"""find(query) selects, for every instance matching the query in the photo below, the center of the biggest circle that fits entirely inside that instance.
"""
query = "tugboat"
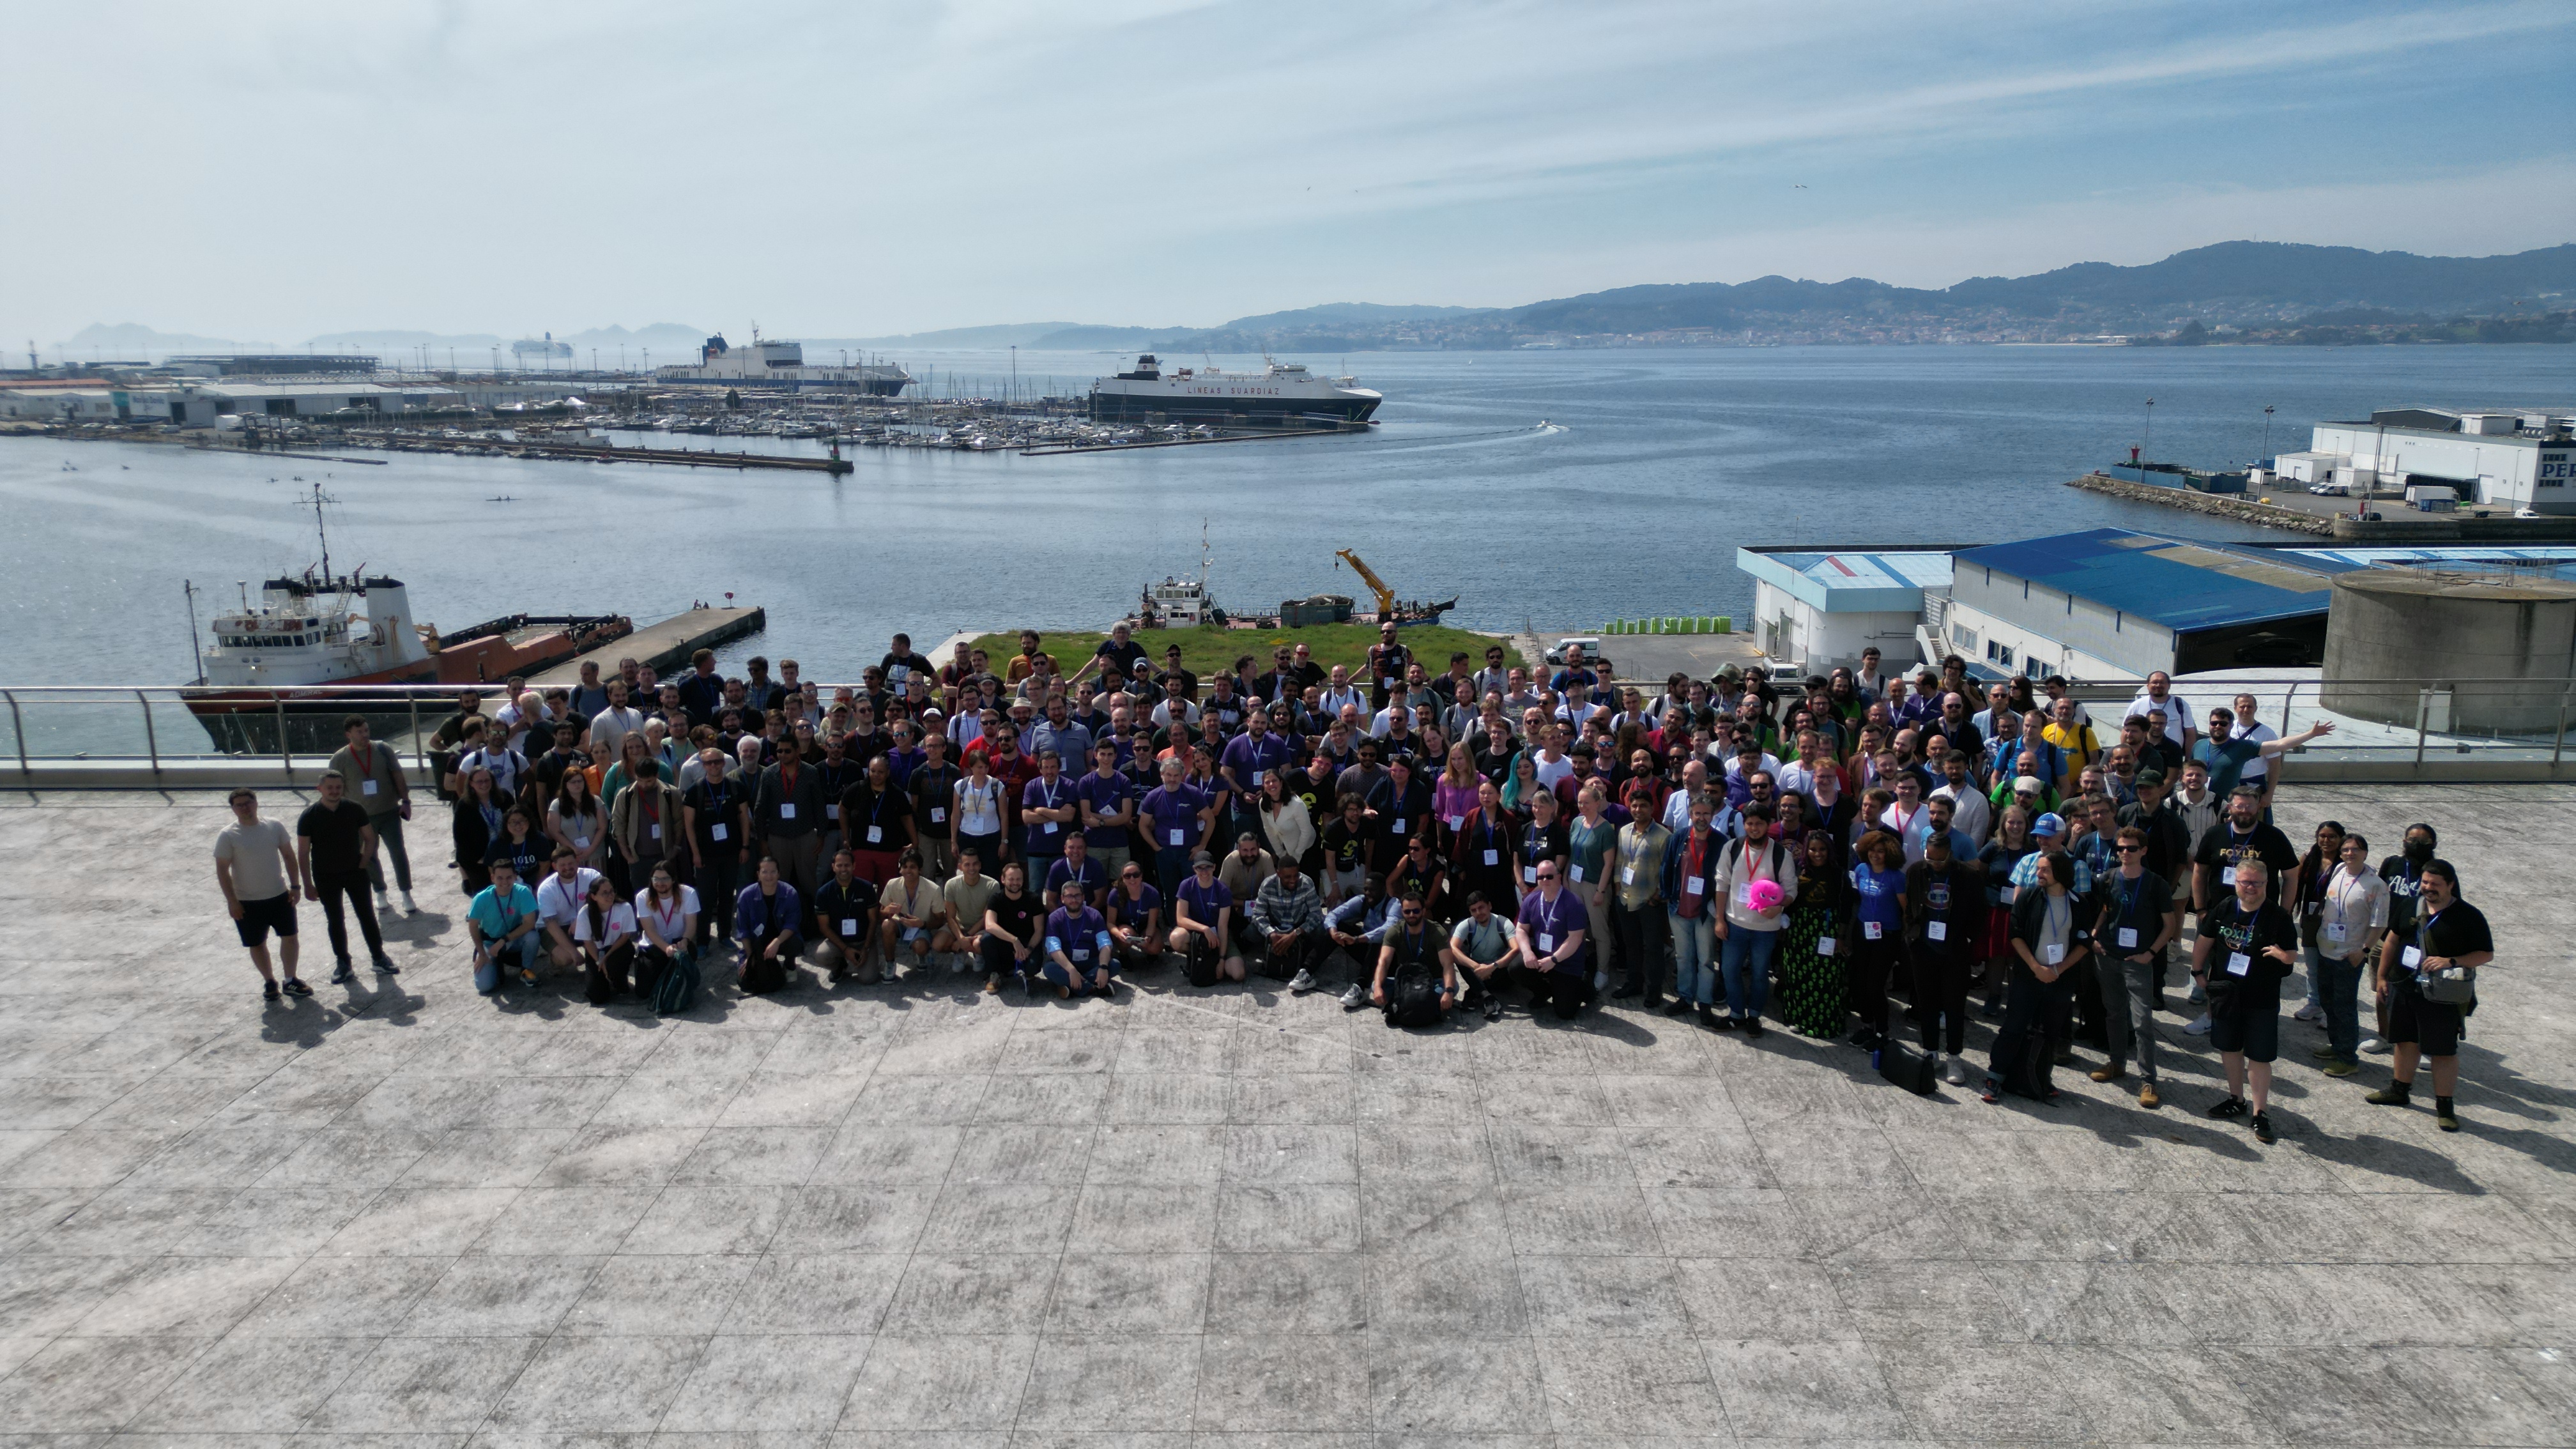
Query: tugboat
(356, 629)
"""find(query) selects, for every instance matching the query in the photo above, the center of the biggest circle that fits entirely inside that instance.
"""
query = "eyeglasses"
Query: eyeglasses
(2128, 849)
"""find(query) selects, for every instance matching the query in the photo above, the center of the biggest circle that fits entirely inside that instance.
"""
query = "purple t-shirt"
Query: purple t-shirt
(1108, 797)
(1131, 913)
(1205, 900)
(1175, 808)
(1549, 926)
(1046, 837)
(1251, 759)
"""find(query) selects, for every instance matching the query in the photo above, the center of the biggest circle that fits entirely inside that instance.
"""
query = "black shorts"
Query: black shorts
(2433, 1027)
(2254, 1029)
(258, 918)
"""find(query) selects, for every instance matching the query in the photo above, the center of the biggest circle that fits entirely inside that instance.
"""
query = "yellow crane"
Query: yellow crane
(1377, 586)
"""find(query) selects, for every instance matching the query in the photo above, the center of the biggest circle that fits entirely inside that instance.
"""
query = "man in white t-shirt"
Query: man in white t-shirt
(559, 898)
(614, 723)
(2258, 770)
(255, 868)
(2178, 711)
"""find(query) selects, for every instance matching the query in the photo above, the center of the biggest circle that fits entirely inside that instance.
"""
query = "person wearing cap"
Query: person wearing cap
(1203, 916)
(2048, 832)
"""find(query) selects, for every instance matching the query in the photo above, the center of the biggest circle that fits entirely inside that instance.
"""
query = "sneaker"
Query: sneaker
(2232, 1107)
(2340, 1068)
(1493, 1008)
(2199, 994)
(1991, 1010)
(2325, 1051)
(1600, 980)
(2111, 1073)
(1993, 1093)
(2308, 1012)
(294, 986)
(410, 907)
(2446, 1119)
(1626, 993)
(1676, 1007)
(1301, 983)
(2395, 1094)
(2374, 1047)
(1354, 998)
(992, 986)
(382, 904)
(268, 991)
(2147, 1097)
(385, 966)
(342, 974)
(2198, 1026)
(1956, 1074)
(1753, 1028)
(2262, 1126)
(1722, 1023)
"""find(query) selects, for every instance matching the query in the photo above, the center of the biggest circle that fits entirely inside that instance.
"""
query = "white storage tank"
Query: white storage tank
(2419, 629)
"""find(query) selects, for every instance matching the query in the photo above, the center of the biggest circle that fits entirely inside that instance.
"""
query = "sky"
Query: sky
(282, 170)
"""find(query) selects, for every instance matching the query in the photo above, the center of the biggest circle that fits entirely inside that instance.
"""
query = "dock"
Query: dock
(663, 648)
(2296, 512)
(609, 453)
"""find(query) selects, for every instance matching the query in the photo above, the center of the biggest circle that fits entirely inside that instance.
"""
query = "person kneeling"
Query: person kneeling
(764, 921)
(1287, 921)
(503, 923)
(1415, 984)
(1483, 953)
(1555, 938)
(1077, 947)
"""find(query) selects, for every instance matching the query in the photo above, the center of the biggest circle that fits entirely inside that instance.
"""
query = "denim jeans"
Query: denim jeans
(2339, 991)
(1694, 960)
(1748, 970)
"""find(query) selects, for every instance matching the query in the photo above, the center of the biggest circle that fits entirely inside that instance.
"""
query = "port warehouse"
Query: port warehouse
(197, 403)
(2499, 457)
(2105, 603)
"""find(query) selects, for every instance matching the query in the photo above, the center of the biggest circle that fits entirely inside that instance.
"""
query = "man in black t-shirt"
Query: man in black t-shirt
(2247, 948)
(900, 663)
(2447, 933)
(2238, 843)
(845, 911)
(333, 842)
(2139, 920)
(565, 755)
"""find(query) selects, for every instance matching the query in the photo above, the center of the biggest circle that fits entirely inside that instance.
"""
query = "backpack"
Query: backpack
(1413, 993)
(1906, 1067)
(1199, 962)
(762, 973)
(677, 991)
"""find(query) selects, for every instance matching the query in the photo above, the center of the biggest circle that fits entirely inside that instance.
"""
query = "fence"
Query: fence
(124, 736)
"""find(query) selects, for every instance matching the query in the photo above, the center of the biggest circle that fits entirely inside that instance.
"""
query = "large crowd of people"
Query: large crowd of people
(1427, 837)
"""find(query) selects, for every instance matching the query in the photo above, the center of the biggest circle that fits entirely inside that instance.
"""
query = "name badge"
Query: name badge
(2411, 956)
(1256, 779)
(1050, 827)
(2332, 931)
(1178, 836)
(849, 926)
(657, 831)
(831, 812)
(786, 811)
(2052, 954)
(1627, 875)
(2128, 938)
(1546, 941)
(1824, 945)
(2238, 963)
(1936, 930)
(2227, 875)
(876, 834)
(1870, 930)
(938, 815)
(581, 842)
(1578, 875)
(1080, 953)
(717, 833)
(366, 787)
(1528, 872)
(1399, 825)
(1696, 885)
(1388, 682)
(2316, 908)
(1493, 857)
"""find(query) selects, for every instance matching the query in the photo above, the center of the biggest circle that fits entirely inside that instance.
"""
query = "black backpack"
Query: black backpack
(1413, 988)
(1200, 960)
(1906, 1067)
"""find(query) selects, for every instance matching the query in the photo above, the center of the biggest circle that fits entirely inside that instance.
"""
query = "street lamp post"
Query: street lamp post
(2144, 434)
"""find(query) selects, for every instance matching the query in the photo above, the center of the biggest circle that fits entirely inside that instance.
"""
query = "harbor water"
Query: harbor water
(1541, 487)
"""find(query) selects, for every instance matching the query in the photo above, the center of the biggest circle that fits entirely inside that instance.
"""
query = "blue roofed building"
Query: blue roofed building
(2114, 603)
(1817, 608)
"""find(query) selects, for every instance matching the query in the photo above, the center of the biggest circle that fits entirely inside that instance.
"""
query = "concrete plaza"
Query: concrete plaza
(917, 1218)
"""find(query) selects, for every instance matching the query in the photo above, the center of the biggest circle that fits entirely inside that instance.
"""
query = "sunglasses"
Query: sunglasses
(2131, 849)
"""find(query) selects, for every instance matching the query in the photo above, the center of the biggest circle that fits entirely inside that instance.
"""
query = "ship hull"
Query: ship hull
(1127, 407)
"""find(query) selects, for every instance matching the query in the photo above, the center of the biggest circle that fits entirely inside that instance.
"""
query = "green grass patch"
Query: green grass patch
(1206, 651)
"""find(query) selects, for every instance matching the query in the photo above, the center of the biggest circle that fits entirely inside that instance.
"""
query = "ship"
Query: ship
(769, 364)
(356, 631)
(1281, 393)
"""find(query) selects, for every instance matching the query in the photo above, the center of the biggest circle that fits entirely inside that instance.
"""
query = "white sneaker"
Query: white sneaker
(1355, 998)
(1958, 1073)
(1303, 982)
(2308, 1012)
(1600, 980)
(410, 907)
(2375, 1047)
(381, 902)
(2198, 1028)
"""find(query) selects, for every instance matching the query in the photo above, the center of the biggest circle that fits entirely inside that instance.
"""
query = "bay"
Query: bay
(1652, 467)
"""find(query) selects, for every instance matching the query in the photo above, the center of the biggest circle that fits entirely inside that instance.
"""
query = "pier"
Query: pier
(663, 648)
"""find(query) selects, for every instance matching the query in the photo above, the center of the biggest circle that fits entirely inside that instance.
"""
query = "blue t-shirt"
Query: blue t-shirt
(1173, 811)
(1107, 797)
(1879, 892)
(1081, 935)
(496, 918)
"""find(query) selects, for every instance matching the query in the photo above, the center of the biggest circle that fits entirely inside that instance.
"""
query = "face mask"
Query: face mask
(2419, 851)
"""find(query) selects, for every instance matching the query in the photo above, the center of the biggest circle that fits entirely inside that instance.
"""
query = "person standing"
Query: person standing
(1748, 931)
(1811, 978)
(2449, 934)
(385, 794)
(255, 868)
(1877, 933)
(2404, 873)
(719, 826)
(2239, 845)
(333, 843)
(2139, 921)
(2049, 941)
(2350, 917)
(787, 823)
(1695, 894)
(1945, 897)
(1637, 913)
(2247, 948)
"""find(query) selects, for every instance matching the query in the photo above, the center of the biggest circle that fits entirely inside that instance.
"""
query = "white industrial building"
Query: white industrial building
(2112, 603)
(2501, 458)
(1817, 608)
(196, 404)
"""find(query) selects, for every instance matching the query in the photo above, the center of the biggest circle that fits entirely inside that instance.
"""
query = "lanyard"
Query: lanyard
(2130, 890)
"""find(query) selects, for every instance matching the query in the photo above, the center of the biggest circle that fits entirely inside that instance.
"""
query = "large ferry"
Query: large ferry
(1282, 392)
(781, 364)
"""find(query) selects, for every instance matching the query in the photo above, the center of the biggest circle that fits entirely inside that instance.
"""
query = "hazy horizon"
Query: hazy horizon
(851, 173)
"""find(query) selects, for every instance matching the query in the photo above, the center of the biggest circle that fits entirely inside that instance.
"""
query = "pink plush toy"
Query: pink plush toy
(1763, 896)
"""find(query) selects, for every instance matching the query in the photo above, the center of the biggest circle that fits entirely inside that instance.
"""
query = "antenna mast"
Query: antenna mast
(321, 531)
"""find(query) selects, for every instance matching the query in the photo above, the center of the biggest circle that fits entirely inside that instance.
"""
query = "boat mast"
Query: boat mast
(322, 532)
(194, 648)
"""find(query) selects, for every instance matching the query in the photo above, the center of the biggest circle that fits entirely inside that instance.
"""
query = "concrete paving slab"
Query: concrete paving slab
(917, 1218)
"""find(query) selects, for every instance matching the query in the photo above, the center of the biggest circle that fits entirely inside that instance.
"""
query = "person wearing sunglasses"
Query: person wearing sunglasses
(2140, 918)
(1135, 917)
(1414, 955)
(1554, 934)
